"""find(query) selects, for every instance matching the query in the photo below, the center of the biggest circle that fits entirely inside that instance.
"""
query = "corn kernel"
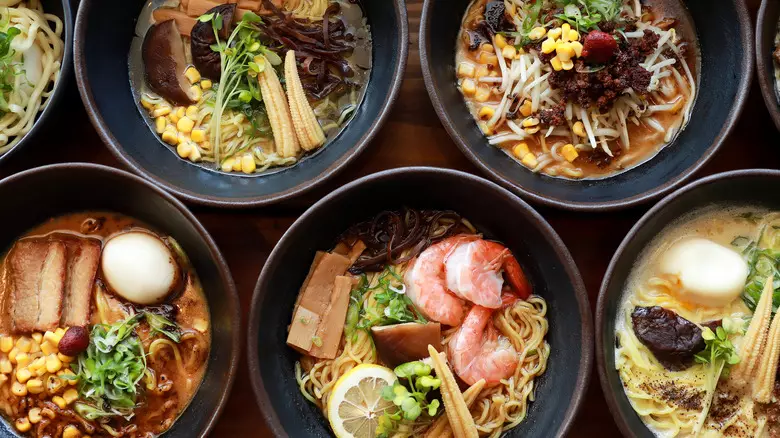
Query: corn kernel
(22, 424)
(170, 136)
(185, 124)
(159, 124)
(53, 363)
(192, 112)
(556, 64)
(554, 33)
(34, 415)
(533, 130)
(579, 129)
(466, 70)
(468, 87)
(70, 395)
(23, 345)
(60, 332)
(564, 51)
(146, 102)
(487, 47)
(577, 47)
(530, 160)
(526, 109)
(567, 65)
(531, 121)
(196, 93)
(521, 150)
(482, 71)
(488, 58)
(482, 94)
(59, 401)
(227, 165)
(537, 33)
(12, 355)
(574, 35)
(486, 113)
(198, 135)
(184, 149)
(23, 375)
(192, 74)
(6, 343)
(248, 164)
(35, 348)
(206, 84)
(487, 130)
(5, 366)
(548, 46)
(71, 432)
(500, 41)
(38, 364)
(22, 359)
(565, 28)
(237, 165)
(174, 115)
(52, 337)
(195, 154)
(19, 389)
(569, 152)
(509, 52)
(37, 337)
(160, 110)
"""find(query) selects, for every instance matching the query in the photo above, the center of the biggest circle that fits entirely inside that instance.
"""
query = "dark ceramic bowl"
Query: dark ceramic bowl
(62, 9)
(744, 187)
(725, 38)
(67, 188)
(104, 31)
(496, 212)
(766, 29)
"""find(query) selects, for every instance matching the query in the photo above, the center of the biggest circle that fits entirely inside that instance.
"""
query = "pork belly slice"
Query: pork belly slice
(38, 268)
(83, 260)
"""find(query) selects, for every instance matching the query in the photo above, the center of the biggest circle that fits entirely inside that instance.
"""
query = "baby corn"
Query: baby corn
(755, 338)
(455, 406)
(308, 130)
(278, 111)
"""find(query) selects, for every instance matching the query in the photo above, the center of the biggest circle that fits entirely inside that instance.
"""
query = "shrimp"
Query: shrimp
(426, 285)
(477, 352)
(474, 273)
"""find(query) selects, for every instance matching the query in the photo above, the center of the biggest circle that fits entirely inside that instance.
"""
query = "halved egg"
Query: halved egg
(711, 274)
(139, 267)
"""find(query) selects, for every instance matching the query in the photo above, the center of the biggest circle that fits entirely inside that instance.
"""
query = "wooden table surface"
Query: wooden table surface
(413, 135)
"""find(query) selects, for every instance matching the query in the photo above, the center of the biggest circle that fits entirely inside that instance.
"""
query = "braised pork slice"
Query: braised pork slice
(83, 260)
(38, 269)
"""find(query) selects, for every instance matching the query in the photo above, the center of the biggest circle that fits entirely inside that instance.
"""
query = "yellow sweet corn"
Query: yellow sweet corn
(487, 47)
(23, 344)
(6, 343)
(526, 109)
(170, 136)
(500, 41)
(548, 46)
(19, 389)
(577, 47)
(22, 424)
(160, 110)
(555, 33)
(482, 94)
(567, 65)
(565, 29)
(486, 113)
(569, 152)
(248, 165)
(482, 71)
(22, 359)
(65, 359)
(529, 122)
(307, 128)
(227, 165)
(468, 87)
(23, 375)
(52, 337)
(195, 155)
(530, 160)
(71, 432)
(184, 149)
(574, 35)
(192, 74)
(59, 401)
(206, 84)
(191, 112)
(53, 363)
(754, 340)
(564, 51)
(466, 70)
(34, 386)
(278, 111)
(196, 93)
(5, 366)
(159, 126)
(34, 414)
(537, 33)
(532, 130)
(198, 135)
(37, 337)
(509, 52)
(579, 129)
(185, 124)
(488, 58)
(521, 150)
(70, 395)
(556, 64)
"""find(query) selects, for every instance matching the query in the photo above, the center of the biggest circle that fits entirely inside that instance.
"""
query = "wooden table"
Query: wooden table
(411, 136)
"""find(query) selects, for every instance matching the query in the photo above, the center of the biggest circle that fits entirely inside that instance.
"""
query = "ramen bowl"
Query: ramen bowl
(101, 59)
(766, 32)
(749, 188)
(724, 38)
(62, 9)
(546, 261)
(72, 188)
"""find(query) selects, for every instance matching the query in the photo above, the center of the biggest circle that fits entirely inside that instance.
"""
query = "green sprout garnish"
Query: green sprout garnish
(410, 394)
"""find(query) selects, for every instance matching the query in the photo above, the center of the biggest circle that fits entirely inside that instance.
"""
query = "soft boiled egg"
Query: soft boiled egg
(711, 275)
(139, 267)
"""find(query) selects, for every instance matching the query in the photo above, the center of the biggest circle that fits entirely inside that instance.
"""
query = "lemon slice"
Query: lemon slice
(356, 402)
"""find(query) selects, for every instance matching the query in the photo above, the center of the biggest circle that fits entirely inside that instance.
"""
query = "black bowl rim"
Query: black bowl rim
(570, 267)
(601, 303)
(765, 80)
(65, 70)
(189, 196)
(227, 279)
(747, 66)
